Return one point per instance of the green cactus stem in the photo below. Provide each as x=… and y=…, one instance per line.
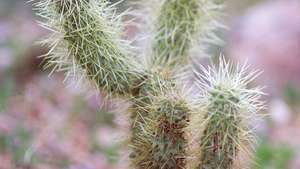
x=179, y=24
x=87, y=36
x=229, y=106
x=160, y=140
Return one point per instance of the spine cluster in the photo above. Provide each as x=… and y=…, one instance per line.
x=87, y=37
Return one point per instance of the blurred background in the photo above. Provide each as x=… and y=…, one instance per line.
x=46, y=125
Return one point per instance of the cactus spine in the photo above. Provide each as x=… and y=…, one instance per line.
x=86, y=37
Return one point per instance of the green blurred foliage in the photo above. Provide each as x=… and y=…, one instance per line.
x=112, y=153
x=291, y=95
x=17, y=143
x=7, y=88
x=273, y=157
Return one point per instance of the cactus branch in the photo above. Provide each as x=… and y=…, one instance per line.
x=87, y=36
x=179, y=24
x=160, y=136
x=228, y=105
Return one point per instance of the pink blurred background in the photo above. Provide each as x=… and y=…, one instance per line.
x=46, y=125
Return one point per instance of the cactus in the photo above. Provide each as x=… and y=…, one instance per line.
x=228, y=107
x=148, y=106
x=178, y=26
x=87, y=38
x=159, y=139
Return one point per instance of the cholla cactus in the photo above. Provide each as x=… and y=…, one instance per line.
x=86, y=37
x=162, y=140
x=179, y=25
x=229, y=107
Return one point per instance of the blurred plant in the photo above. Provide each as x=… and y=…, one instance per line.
x=87, y=39
x=269, y=156
x=7, y=89
x=17, y=144
x=291, y=95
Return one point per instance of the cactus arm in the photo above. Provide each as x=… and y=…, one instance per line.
x=229, y=107
x=89, y=34
x=181, y=24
